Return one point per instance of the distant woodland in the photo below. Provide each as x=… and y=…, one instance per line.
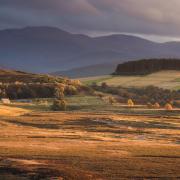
x=147, y=66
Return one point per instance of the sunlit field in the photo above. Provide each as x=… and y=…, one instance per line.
x=92, y=140
x=163, y=79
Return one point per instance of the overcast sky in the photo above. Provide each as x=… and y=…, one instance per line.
x=154, y=19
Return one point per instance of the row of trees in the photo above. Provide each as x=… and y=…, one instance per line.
x=150, y=94
x=25, y=91
x=147, y=66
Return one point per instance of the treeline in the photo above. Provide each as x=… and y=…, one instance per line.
x=144, y=95
x=22, y=85
x=147, y=66
x=43, y=90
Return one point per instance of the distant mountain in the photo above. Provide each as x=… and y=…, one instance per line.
x=147, y=66
x=48, y=49
x=89, y=71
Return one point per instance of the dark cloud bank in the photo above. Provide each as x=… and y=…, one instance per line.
x=151, y=17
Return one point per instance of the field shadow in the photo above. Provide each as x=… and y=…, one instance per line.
x=35, y=125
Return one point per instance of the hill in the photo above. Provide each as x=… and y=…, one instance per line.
x=22, y=85
x=48, y=49
x=12, y=76
x=162, y=79
x=147, y=66
x=89, y=71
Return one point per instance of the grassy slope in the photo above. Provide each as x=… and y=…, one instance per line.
x=164, y=79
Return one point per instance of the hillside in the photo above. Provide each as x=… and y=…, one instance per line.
x=22, y=85
x=162, y=79
x=48, y=49
x=147, y=66
x=12, y=76
x=89, y=71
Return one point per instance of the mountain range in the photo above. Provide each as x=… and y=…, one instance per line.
x=49, y=49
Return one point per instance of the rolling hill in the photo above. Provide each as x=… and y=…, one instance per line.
x=87, y=71
x=162, y=79
x=12, y=76
x=49, y=49
x=147, y=66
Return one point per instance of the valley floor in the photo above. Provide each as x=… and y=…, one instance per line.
x=89, y=145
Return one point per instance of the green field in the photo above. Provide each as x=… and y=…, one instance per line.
x=163, y=79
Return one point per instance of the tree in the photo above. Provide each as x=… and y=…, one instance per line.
x=104, y=85
x=168, y=107
x=59, y=105
x=130, y=103
x=112, y=100
x=149, y=105
x=156, y=105
x=59, y=93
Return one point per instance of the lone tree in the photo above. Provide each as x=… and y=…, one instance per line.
x=130, y=103
x=168, y=107
x=59, y=93
x=112, y=100
x=59, y=105
x=156, y=105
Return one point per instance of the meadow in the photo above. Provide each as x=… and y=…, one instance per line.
x=91, y=140
x=162, y=79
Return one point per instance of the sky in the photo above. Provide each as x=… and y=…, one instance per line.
x=158, y=20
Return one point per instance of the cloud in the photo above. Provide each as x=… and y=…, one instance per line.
x=160, y=17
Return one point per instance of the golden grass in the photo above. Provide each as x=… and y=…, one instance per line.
x=12, y=111
x=80, y=145
x=163, y=79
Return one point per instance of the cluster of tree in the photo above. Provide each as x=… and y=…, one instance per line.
x=144, y=95
x=147, y=66
x=35, y=90
x=59, y=103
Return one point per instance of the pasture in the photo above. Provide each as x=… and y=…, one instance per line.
x=92, y=140
x=163, y=79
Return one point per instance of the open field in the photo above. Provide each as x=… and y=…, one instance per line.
x=83, y=103
x=163, y=79
x=89, y=146
x=92, y=140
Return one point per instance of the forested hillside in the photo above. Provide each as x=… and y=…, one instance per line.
x=147, y=66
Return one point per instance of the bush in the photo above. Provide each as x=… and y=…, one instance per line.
x=130, y=103
x=71, y=90
x=59, y=93
x=149, y=105
x=168, y=107
x=156, y=105
x=112, y=100
x=59, y=105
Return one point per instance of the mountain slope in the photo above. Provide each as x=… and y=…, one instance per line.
x=48, y=49
x=89, y=71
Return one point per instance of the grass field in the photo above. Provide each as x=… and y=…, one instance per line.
x=89, y=146
x=92, y=140
x=163, y=79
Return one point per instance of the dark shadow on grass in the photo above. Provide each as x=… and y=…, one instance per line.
x=35, y=125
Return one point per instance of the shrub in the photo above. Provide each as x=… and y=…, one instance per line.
x=168, y=107
x=104, y=85
x=130, y=103
x=149, y=105
x=156, y=105
x=71, y=90
x=59, y=93
x=112, y=100
x=59, y=105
